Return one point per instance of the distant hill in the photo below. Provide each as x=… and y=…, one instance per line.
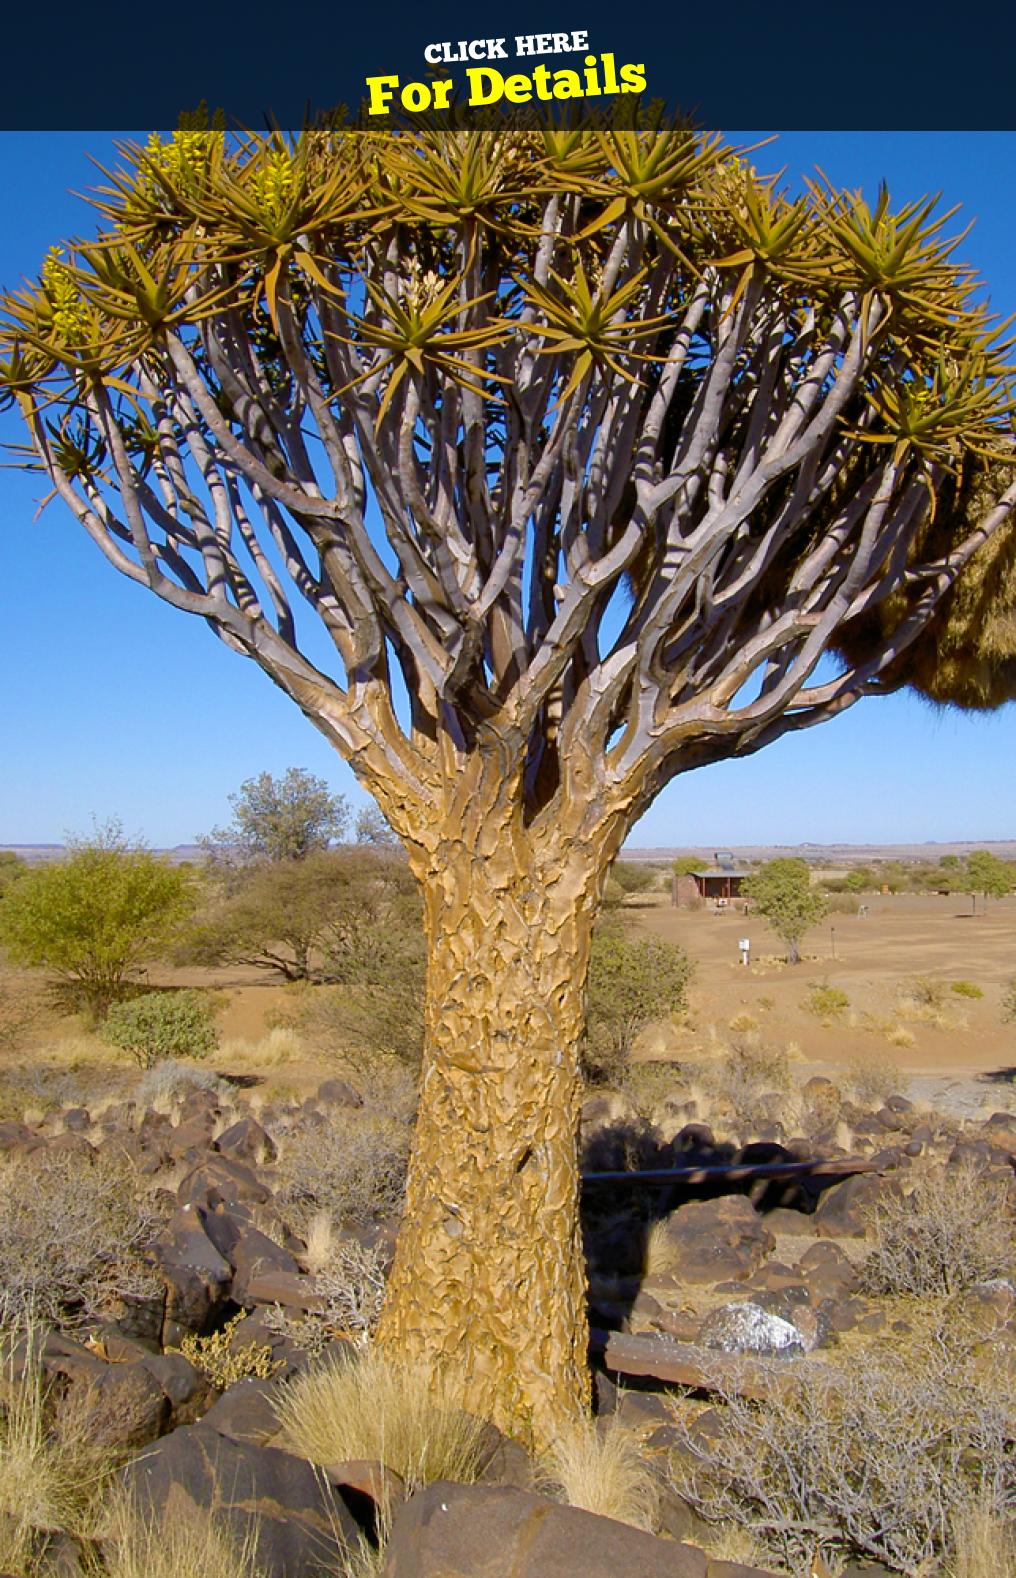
x=828, y=854
x=34, y=853
x=815, y=854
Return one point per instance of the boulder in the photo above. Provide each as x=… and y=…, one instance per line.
x=221, y=1180
x=189, y=1391
x=499, y=1531
x=245, y=1412
x=718, y=1240
x=748, y=1328
x=842, y=1210
x=339, y=1093
x=197, y=1278
x=246, y=1140
x=254, y=1256
x=123, y=1404
x=298, y=1526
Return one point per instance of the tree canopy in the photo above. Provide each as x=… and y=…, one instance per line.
x=646, y=436
x=781, y=890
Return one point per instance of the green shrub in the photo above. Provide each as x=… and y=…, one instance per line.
x=634, y=876
x=966, y=989
x=632, y=981
x=161, y=1025
x=827, y=1002
x=781, y=891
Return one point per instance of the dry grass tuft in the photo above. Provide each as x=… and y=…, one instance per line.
x=984, y=1544
x=662, y=1254
x=405, y=1416
x=871, y=1082
x=600, y=1468
x=191, y=1545
x=283, y=1044
x=51, y=1471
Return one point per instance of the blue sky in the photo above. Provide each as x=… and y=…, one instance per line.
x=116, y=705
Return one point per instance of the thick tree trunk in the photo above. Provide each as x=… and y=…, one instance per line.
x=489, y=1278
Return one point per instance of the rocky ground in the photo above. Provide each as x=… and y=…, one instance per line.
x=702, y=1292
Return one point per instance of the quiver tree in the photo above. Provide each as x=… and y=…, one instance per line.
x=585, y=449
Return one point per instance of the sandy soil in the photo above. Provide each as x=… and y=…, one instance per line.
x=957, y=1049
x=871, y=960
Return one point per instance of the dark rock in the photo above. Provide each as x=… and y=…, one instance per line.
x=77, y=1119
x=782, y=1220
x=297, y=1524
x=255, y=1256
x=718, y=1239
x=188, y=1390
x=245, y=1412
x=362, y=1478
x=247, y=1141
x=62, y=1356
x=841, y=1212
x=221, y=1180
x=71, y=1145
x=17, y=1139
x=121, y=1348
x=498, y=1531
x=141, y=1316
x=197, y=1278
x=124, y=1405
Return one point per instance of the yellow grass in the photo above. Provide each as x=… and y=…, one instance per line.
x=984, y=1545
x=188, y=1545
x=402, y=1415
x=600, y=1468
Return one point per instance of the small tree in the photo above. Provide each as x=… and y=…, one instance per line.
x=93, y=919
x=297, y=918
x=632, y=981
x=988, y=875
x=781, y=891
x=686, y=865
x=283, y=818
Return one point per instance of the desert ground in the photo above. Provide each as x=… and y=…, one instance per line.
x=953, y=1045
x=875, y=960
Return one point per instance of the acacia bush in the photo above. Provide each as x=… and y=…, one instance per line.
x=952, y=1230
x=160, y=1025
x=313, y=919
x=95, y=917
x=633, y=980
x=73, y=1238
x=877, y=1457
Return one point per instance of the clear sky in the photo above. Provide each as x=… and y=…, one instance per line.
x=115, y=705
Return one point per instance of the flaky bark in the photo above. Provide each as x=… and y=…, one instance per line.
x=488, y=1279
